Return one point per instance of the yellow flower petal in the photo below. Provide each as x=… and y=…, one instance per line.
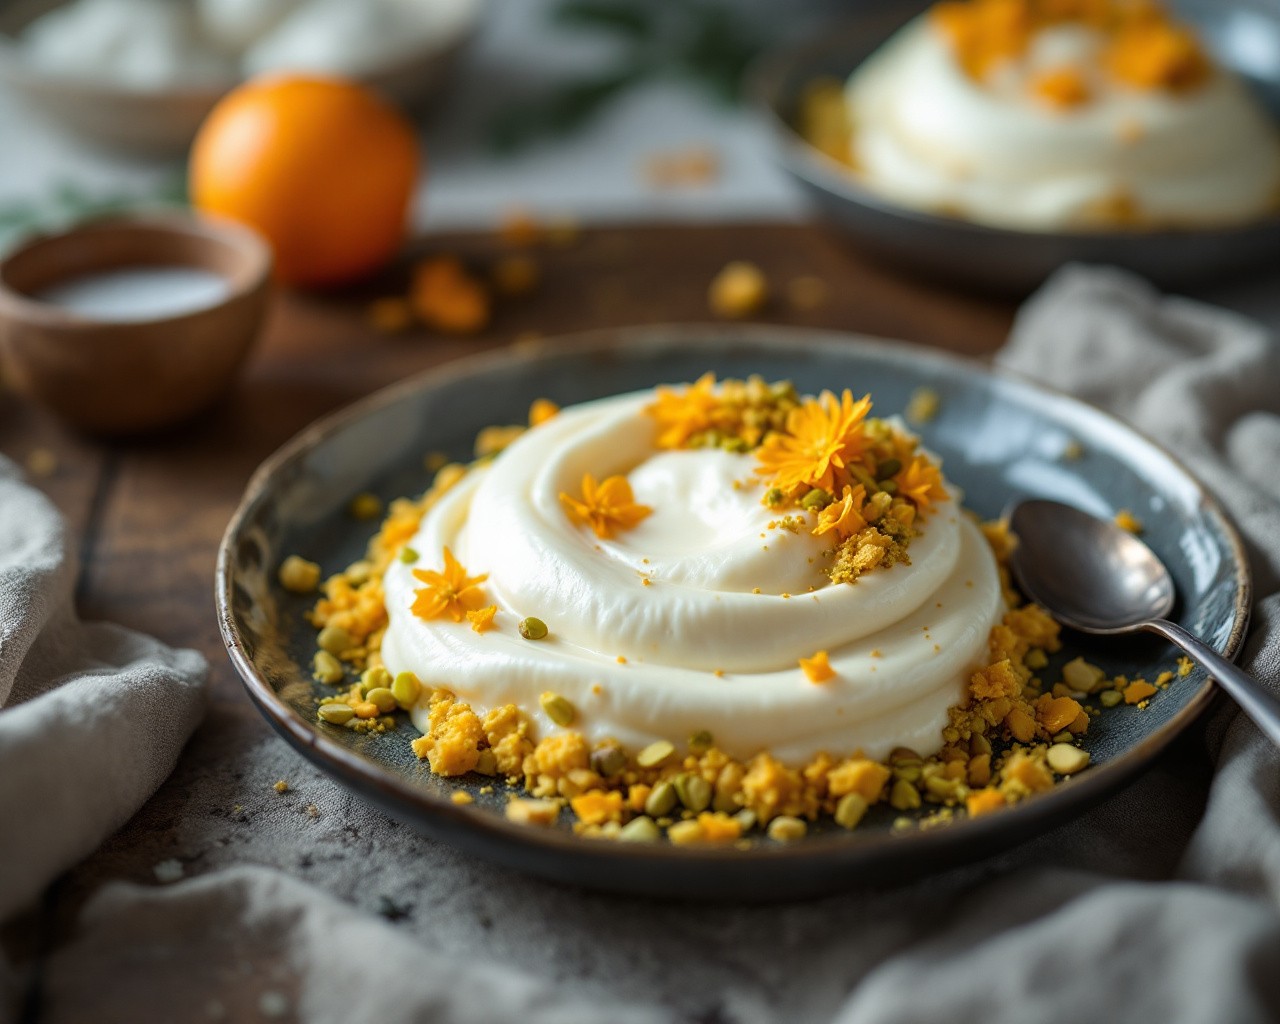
x=450, y=592
x=605, y=507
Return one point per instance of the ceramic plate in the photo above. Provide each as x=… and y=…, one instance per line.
x=1000, y=437
x=1243, y=37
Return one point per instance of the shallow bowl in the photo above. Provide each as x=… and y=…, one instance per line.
x=1000, y=436
x=162, y=121
x=1243, y=37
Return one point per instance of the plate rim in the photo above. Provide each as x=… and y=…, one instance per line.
x=402, y=798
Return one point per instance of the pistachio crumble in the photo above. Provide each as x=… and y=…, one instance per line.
x=828, y=469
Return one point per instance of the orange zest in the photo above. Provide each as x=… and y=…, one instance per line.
x=605, y=507
x=482, y=618
x=1061, y=88
x=450, y=592
x=448, y=299
x=817, y=668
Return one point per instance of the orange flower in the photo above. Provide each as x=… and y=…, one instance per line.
x=823, y=436
x=482, y=618
x=844, y=515
x=451, y=592
x=605, y=507
x=817, y=668
x=921, y=482
x=683, y=413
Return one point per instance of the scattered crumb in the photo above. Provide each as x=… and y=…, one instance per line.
x=516, y=275
x=281, y=786
x=1126, y=520
x=365, y=506
x=461, y=797
x=533, y=812
x=922, y=406
x=41, y=462
x=807, y=293
x=1072, y=451
x=686, y=168
x=1138, y=691
x=518, y=228
x=299, y=576
x=391, y=315
x=738, y=291
x=313, y=810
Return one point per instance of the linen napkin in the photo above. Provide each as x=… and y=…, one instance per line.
x=1160, y=904
x=92, y=716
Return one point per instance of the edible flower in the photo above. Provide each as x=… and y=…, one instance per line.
x=605, y=507
x=451, y=592
x=921, y=482
x=818, y=668
x=844, y=515
x=823, y=436
x=683, y=413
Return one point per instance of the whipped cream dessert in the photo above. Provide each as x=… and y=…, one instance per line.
x=707, y=602
x=1109, y=115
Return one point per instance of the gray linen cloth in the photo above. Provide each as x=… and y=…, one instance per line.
x=1153, y=906
x=92, y=716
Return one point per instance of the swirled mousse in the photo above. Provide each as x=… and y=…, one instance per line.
x=786, y=574
x=1044, y=114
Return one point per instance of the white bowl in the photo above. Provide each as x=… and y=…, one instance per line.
x=164, y=120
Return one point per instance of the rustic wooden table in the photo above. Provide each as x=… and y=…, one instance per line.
x=149, y=513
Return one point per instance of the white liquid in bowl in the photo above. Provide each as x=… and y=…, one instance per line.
x=138, y=293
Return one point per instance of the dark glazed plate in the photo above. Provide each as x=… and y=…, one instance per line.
x=1243, y=37
x=1000, y=437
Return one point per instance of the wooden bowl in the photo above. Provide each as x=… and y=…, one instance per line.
x=121, y=377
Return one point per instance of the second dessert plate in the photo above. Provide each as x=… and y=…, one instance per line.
x=1000, y=437
x=999, y=259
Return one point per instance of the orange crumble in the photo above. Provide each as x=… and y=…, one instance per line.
x=817, y=668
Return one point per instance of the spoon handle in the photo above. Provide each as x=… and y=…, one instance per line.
x=1246, y=691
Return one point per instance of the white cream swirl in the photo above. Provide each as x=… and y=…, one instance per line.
x=927, y=135
x=696, y=647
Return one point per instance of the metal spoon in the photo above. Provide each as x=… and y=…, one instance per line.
x=1093, y=576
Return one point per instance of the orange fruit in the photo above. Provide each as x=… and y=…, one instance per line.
x=323, y=168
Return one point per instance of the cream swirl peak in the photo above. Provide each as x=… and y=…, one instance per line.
x=785, y=573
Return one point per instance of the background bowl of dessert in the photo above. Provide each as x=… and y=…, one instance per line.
x=1243, y=39
x=140, y=75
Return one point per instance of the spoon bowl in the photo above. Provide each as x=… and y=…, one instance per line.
x=1095, y=577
